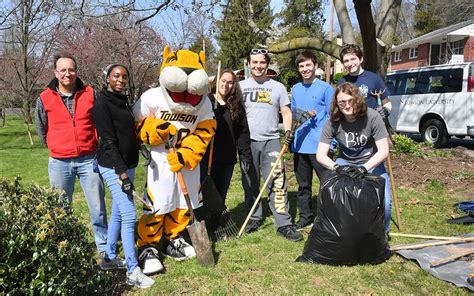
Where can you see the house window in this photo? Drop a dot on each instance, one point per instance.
(413, 53)
(397, 57)
(457, 47)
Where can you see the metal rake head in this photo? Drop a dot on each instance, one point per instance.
(378, 92)
(300, 116)
(227, 228)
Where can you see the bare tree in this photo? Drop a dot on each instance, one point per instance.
(115, 40)
(406, 24)
(28, 28)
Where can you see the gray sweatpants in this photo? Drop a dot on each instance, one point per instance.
(265, 154)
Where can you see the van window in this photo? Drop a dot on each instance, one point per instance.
(425, 82)
(402, 84)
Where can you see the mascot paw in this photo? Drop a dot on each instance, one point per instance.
(153, 131)
(176, 161)
(166, 130)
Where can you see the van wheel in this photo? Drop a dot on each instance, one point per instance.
(433, 131)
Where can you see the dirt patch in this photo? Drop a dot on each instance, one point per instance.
(453, 173)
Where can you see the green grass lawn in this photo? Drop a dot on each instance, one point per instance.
(262, 262)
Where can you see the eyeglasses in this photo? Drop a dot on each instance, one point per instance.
(64, 71)
(342, 103)
(258, 51)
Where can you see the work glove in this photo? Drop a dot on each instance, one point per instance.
(342, 169)
(331, 154)
(383, 111)
(357, 171)
(146, 154)
(127, 186)
(289, 136)
(245, 166)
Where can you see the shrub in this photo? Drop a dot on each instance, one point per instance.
(403, 144)
(337, 77)
(44, 248)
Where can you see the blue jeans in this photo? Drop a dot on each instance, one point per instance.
(379, 171)
(122, 219)
(62, 176)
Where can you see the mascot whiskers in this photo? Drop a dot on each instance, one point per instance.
(179, 110)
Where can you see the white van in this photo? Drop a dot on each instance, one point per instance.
(435, 101)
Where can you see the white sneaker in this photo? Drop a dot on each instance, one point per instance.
(179, 250)
(138, 279)
(149, 261)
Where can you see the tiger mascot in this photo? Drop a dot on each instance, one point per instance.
(179, 110)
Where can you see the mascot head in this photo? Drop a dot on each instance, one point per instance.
(183, 80)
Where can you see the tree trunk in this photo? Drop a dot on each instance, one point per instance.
(29, 133)
(367, 30)
(25, 18)
(387, 20)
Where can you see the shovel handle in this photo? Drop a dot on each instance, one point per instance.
(184, 189)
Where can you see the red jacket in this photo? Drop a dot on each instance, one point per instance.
(70, 136)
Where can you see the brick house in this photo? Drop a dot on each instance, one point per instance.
(453, 44)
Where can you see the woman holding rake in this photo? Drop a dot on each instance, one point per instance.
(232, 136)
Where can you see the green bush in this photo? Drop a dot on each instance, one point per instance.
(337, 76)
(44, 248)
(404, 144)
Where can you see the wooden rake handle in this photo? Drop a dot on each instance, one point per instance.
(432, 244)
(139, 198)
(257, 200)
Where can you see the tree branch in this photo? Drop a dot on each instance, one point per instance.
(157, 10)
(347, 29)
(328, 47)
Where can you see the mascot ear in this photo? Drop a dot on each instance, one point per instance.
(166, 53)
(202, 57)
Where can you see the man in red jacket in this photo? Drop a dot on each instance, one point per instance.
(63, 119)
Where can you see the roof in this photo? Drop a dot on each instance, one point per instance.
(438, 35)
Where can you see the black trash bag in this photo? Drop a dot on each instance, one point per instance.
(349, 228)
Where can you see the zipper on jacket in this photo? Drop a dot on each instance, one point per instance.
(74, 123)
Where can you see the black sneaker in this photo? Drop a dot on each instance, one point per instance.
(252, 226)
(289, 232)
(109, 264)
(303, 224)
(178, 249)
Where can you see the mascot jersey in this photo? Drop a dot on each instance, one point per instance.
(163, 187)
(178, 110)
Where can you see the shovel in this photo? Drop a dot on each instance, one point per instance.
(197, 229)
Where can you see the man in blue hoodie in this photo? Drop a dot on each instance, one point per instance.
(311, 94)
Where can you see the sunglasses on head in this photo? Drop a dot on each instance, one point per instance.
(258, 51)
